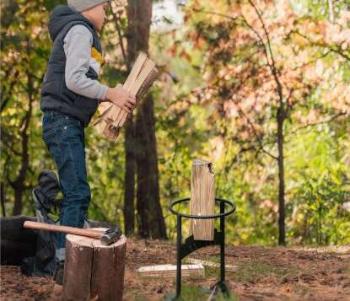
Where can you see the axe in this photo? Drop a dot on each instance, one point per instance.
(106, 237)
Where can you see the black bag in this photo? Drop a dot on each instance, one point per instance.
(44, 196)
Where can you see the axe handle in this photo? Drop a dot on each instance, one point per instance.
(63, 229)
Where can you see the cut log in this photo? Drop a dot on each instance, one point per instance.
(202, 200)
(169, 271)
(108, 271)
(92, 270)
(78, 265)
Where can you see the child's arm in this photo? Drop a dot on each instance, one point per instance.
(77, 47)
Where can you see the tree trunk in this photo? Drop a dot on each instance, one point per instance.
(19, 185)
(130, 170)
(148, 202)
(17, 209)
(281, 177)
(3, 200)
(130, 162)
(150, 217)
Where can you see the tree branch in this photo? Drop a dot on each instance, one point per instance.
(331, 48)
(328, 120)
(116, 22)
(273, 64)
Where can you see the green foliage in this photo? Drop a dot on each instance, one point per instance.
(319, 190)
(320, 9)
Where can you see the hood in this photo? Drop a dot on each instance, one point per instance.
(61, 16)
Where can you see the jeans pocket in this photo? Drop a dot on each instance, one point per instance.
(58, 127)
(52, 134)
(52, 128)
(51, 121)
(72, 130)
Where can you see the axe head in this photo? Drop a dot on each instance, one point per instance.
(111, 236)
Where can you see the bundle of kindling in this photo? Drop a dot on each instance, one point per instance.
(112, 118)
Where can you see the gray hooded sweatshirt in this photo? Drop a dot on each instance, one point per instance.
(71, 83)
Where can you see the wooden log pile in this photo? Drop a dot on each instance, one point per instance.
(112, 118)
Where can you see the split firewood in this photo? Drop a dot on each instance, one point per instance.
(211, 264)
(202, 200)
(112, 118)
(169, 270)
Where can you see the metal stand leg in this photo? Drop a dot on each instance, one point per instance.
(222, 285)
(178, 257)
(222, 245)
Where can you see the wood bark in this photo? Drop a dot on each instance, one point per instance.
(129, 180)
(18, 184)
(149, 213)
(92, 270)
(3, 199)
(108, 271)
(77, 269)
(151, 220)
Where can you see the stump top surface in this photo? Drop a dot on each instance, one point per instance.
(92, 242)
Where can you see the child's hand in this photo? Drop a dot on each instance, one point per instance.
(121, 98)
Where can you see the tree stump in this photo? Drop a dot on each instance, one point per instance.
(93, 271)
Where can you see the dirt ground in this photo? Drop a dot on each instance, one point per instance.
(262, 274)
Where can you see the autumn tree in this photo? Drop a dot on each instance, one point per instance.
(260, 72)
(23, 59)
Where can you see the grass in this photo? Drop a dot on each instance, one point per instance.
(215, 272)
(189, 293)
(253, 271)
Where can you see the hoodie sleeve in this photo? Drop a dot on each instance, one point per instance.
(77, 47)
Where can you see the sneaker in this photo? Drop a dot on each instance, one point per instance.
(59, 272)
(87, 224)
(44, 196)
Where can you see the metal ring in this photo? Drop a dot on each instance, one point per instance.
(217, 201)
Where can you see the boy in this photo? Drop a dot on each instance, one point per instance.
(70, 95)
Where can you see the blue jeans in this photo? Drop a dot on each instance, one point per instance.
(64, 137)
